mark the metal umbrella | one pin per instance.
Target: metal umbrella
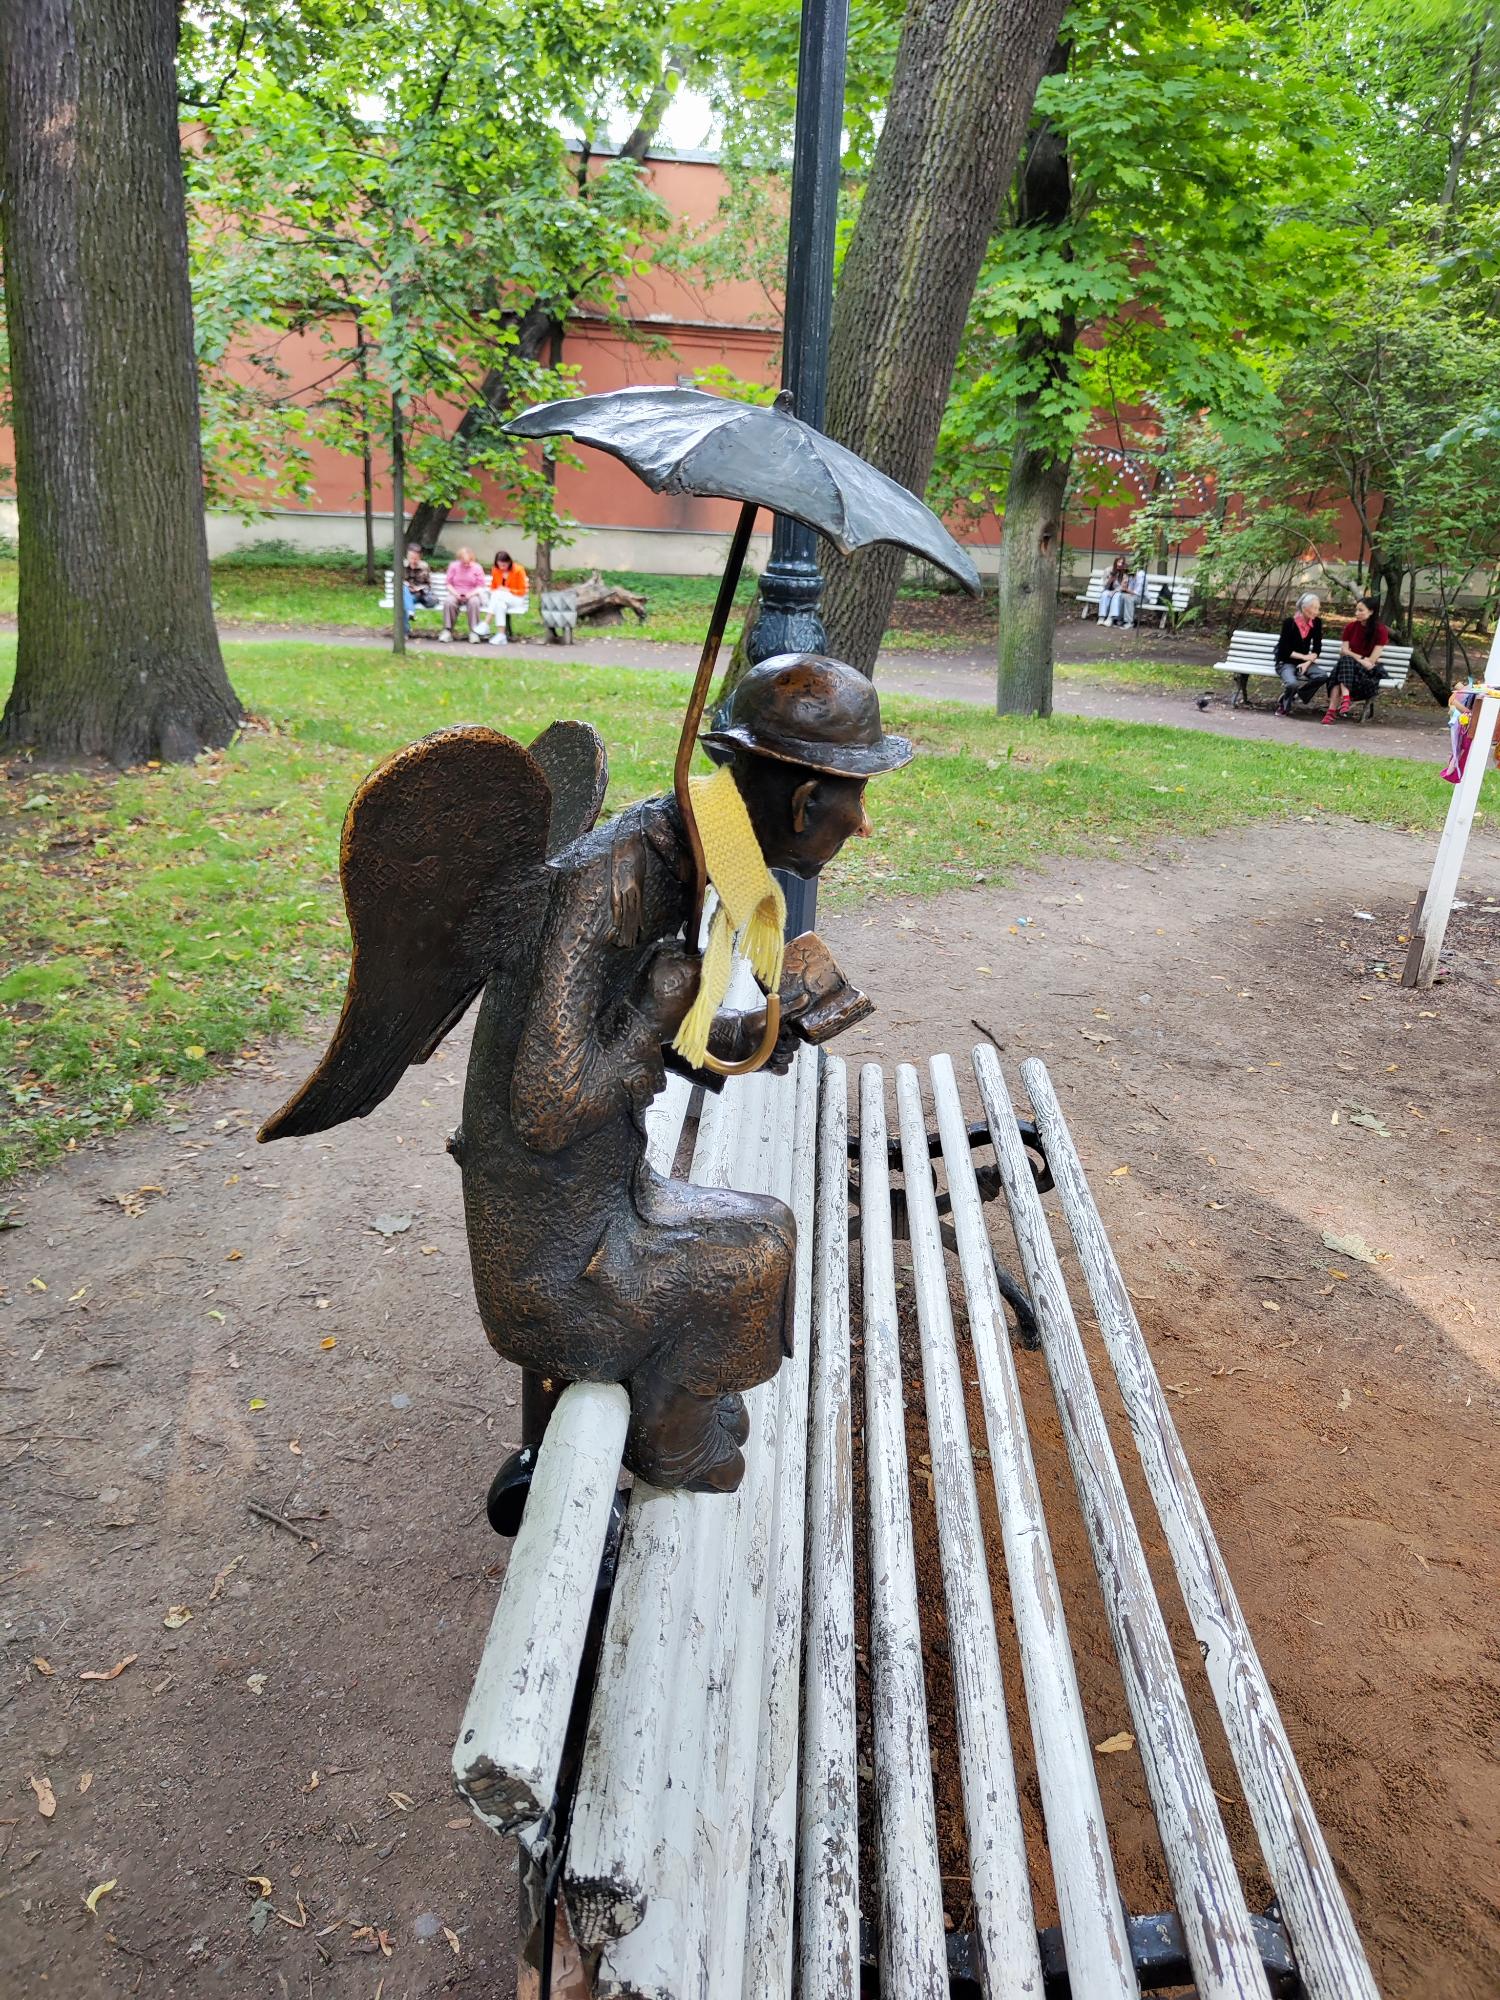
(687, 441)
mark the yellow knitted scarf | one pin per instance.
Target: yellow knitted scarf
(750, 912)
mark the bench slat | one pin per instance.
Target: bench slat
(1004, 1920)
(1096, 1941)
(828, 1832)
(1210, 1901)
(653, 1666)
(773, 1830)
(1329, 1954)
(913, 1951)
(696, 1836)
(723, 1808)
(510, 1744)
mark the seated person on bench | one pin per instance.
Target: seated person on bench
(1297, 651)
(416, 585)
(508, 589)
(1357, 675)
(466, 585)
(1118, 597)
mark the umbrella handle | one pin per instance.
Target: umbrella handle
(687, 742)
(763, 1054)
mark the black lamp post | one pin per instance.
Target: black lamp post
(791, 587)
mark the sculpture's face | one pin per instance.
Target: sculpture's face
(801, 818)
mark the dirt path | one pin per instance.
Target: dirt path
(1205, 1014)
(1399, 731)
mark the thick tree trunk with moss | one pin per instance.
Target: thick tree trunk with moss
(1031, 549)
(118, 654)
(966, 76)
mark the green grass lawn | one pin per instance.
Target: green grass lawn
(334, 594)
(160, 921)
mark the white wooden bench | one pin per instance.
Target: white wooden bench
(1163, 594)
(440, 590)
(692, 1827)
(1252, 656)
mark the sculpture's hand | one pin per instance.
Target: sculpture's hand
(669, 983)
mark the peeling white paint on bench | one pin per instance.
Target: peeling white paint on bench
(1089, 1907)
(1004, 1921)
(773, 1835)
(1329, 1954)
(510, 1744)
(828, 1830)
(913, 1948)
(1210, 1901)
(668, 1955)
(652, 1642)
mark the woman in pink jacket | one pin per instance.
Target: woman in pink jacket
(467, 590)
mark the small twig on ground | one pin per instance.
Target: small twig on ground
(988, 1033)
(280, 1521)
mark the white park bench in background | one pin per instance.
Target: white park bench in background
(440, 590)
(696, 1831)
(1163, 594)
(1252, 656)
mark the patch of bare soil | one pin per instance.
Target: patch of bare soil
(1204, 1015)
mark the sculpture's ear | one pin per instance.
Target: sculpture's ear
(443, 864)
(802, 798)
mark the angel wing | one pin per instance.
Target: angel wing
(443, 864)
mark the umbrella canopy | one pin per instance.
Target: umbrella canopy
(687, 441)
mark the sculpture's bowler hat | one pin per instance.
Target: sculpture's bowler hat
(801, 708)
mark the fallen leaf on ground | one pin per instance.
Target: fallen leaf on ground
(328, 1344)
(42, 1666)
(1112, 1745)
(257, 1402)
(296, 1923)
(1371, 1123)
(256, 1683)
(1118, 1173)
(110, 1673)
(391, 1225)
(1345, 1399)
(260, 1883)
(234, 1257)
(91, 1900)
(456, 1825)
(177, 1616)
(223, 1577)
(1349, 1246)
(46, 1804)
(85, 1781)
(452, 1937)
(1270, 1305)
(401, 1800)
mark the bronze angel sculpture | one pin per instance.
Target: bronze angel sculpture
(469, 862)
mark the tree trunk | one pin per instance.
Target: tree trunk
(965, 80)
(118, 654)
(1029, 558)
(1031, 550)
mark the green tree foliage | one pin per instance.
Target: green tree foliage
(399, 187)
(1191, 259)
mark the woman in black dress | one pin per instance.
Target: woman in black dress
(1297, 650)
(1357, 675)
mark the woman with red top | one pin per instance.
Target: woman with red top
(1358, 670)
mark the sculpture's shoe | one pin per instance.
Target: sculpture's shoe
(681, 1440)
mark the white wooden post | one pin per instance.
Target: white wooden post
(1437, 904)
